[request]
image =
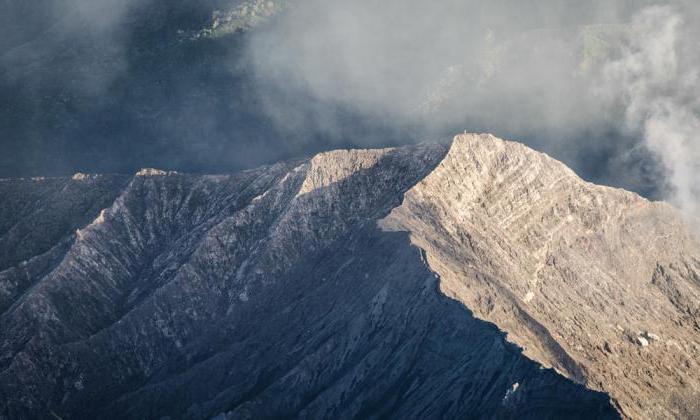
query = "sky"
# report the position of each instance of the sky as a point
(609, 87)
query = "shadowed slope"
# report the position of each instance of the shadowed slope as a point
(269, 293)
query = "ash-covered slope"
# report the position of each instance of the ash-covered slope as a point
(274, 293)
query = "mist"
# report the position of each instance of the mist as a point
(609, 87)
(657, 81)
(35, 33)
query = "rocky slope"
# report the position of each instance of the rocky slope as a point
(368, 283)
(596, 282)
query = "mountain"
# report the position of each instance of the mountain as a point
(477, 279)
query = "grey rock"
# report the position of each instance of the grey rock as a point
(473, 280)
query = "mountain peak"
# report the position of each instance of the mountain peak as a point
(566, 267)
(330, 167)
(491, 260)
(154, 172)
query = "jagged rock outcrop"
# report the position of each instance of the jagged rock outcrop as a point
(364, 283)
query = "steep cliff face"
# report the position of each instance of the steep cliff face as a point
(274, 292)
(596, 282)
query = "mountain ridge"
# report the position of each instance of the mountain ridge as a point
(553, 213)
(149, 305)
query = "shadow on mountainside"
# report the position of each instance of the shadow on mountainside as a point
(354, 327)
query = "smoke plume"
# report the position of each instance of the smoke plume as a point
(610, 87)
(657, 81)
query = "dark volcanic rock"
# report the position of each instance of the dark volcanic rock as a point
(269, 293)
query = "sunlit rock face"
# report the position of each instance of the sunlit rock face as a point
(395, 283)
(596, 282)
